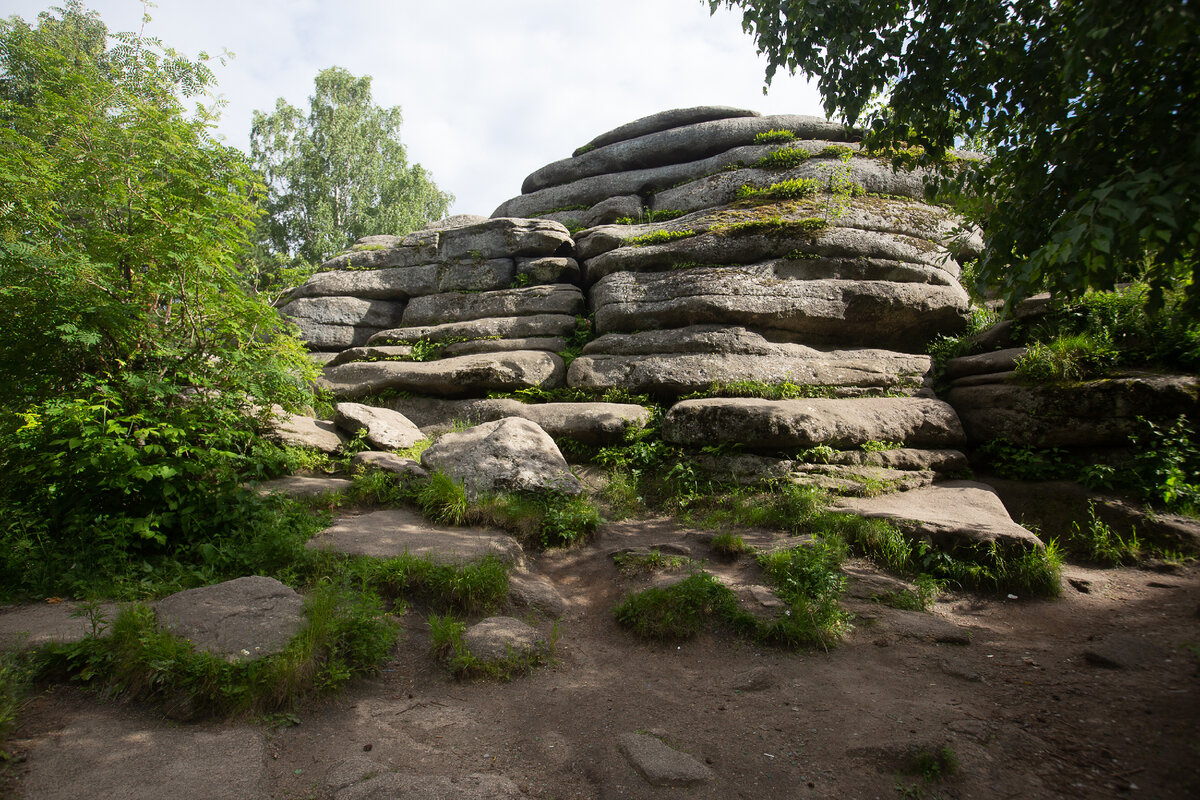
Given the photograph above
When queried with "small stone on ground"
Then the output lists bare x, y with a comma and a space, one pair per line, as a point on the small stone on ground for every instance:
660, 765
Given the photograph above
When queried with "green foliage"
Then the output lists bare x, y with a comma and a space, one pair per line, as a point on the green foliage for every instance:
471, 588
443, 499
657, 237
784, 506
678, 611
345, 634
729, 545
446, 644
1166, 465
648, 216
872, 446
783, 158
784, 190
1064, 208
16, 674
1097, 542
807, 571
577, 339
785, 390
634, 563
1025, 463
338, 174
774, 137
1067, 358
805, 228
924, 593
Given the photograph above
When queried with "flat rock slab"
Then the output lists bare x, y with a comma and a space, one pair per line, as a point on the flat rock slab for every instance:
385, 429
1123, 651
450, 377
437, 309
535, 591
413, 281
432, 787
297, 430
508, 455
27, 625
956, 512
240, 620
534, 326
660, 765
107, 751
839, 423
395, 532
984, 363
305, 486
497, 638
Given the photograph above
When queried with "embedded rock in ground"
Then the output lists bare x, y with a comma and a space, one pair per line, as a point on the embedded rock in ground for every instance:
29, 625
676, 145
493, 328
508, 455
432, 787
436, 309
1090, 414
396, 532
345, 311
788, 424
660, 765
497, 638
665, 120
240, 620
398, 283
297, 430
385, 429
388, 462
305, 486
449, 377
535, 591
901, 316
950, 514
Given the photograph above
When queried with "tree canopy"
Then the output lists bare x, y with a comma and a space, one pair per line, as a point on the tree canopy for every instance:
339, 173
131, 354
1091, 110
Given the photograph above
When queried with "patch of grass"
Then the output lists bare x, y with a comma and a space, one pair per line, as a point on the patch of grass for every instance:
442, 499
784, 506
806, 228
1096, 541
649, 216
784, 190
446, 645
784, 390
1026, 463
657, 237
345, 634
921, 597
640, 563
729, 545
836, 151
773, 137
933, 765
873, 446
469, 588
1075, 357
679, 611
783, 158
16, 674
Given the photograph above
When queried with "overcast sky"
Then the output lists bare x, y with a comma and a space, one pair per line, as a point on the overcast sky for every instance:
490, 89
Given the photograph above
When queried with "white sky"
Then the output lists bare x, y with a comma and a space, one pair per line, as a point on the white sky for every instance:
490, 89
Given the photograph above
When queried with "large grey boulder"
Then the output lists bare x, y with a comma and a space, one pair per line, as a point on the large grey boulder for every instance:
838, 423
455, 221
589, 423
548, 269
508, 455
448, 377
387, 462
240, 620
397, 283
830, 252
551, 344
395, 532
419, 247
498, 638
665, 120
950, 514
385, 429
319, 336
593, 192
721, 189
345, 311
676, 145
1090, 414
537, 325
394, 352
502, 238
437, 309
685, 360
902, 316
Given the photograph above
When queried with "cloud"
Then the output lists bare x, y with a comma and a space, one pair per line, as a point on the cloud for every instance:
490, 91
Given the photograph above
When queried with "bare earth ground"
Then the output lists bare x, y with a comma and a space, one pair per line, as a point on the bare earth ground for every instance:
1089, 696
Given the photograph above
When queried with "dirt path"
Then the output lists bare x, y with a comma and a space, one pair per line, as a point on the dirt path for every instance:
1088, 696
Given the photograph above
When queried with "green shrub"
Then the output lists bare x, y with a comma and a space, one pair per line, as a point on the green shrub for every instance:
784, 190
474, 587
443, 499
657, 237
773, 137
679, 611
783, 158
1026, 463
1075, 357
729, 545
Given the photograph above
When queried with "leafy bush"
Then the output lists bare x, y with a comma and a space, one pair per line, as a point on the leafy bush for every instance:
783, 158
657, 237
773, 136
1067, 358
784, 190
